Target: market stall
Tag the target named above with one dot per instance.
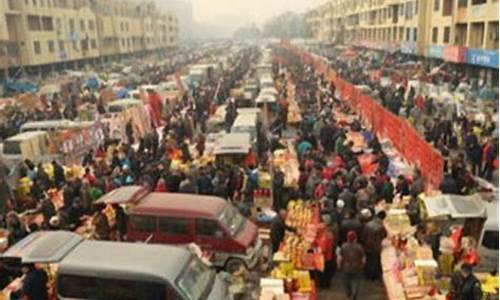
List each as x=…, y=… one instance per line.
x=298, y=254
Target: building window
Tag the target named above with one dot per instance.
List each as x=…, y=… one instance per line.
x=91, y=25
x=75, y=46
x=82, y=25
x=415, y=34
x=477, y=2
x=37, y=47
x=434, y=35
x=93, y=44
x=85, y=44
x=447, y=7
x=34, y=2
x=407, y=34
x=34, y=23
x=61, y=45
x=462, y=3
x=47, y=23
x=71, y=25
x=51, y=47
x=436, y=5
x=446, y=35
x=416, y=7
x=26, y=2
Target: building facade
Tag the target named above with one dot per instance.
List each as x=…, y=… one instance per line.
x=457, y=31
x=37, y=33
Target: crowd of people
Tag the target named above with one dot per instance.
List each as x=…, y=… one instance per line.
x=330, y=173
x=453, y=128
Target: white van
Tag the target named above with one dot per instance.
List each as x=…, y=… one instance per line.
x=246, y=123
x=488, y=240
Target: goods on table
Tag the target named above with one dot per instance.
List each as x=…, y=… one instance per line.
x=299, y=249
x=286, y=160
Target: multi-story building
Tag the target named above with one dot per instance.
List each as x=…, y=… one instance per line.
x=457, y=31
x=41, y=33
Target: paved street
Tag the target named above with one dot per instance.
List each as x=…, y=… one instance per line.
x=368, y=291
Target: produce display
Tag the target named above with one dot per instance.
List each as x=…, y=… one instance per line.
x=286, y=160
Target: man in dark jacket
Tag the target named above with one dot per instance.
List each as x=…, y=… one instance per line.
x=449, y=185
x=349, y=223
x=374, y=233
x=351, y=261
x=278, y=228
x=59, y=177
x=464, y=285
x=34, y=283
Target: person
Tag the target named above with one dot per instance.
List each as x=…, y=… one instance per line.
x=34, y=283
x=374, y=233
x=351, y=261
x=17, y=230
x=278, y=228
x=59, y=177
x=465, y=285
x=326, y=244
x=7, y=274
x=349, y=223
x=100, y=223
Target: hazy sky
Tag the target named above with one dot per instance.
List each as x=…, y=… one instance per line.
x=243, y=11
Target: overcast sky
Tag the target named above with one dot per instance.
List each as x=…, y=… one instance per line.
x=237, y=12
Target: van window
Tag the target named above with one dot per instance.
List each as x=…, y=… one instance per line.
x=490, y=239
x=11, y=147
x=83, y=287
x=174, y=225
x=144, y=223
x=207, y=227
x=131, y=290
x=195, y=279
x=115, y=109
x=232, y=219
x=79, y=287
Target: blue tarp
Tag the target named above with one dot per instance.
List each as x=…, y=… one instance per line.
x=20, y=86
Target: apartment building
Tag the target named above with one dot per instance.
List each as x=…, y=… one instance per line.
x=457, y=31
x=39, y=33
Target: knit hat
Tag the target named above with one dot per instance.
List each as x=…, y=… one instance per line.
x=352, y=236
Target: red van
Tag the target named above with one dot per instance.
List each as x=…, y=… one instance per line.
x=210, y=222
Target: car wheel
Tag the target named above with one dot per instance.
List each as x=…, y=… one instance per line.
x=234, y=264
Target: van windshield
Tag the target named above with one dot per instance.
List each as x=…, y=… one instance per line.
x=196, y=281
x=11, y=147
x=232, y=219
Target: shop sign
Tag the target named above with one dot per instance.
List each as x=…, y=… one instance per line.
x=408, y=47
x=454, y=54
x=481, y=57
x=435, y=51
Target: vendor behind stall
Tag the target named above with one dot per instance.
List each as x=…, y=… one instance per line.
x=34, y=283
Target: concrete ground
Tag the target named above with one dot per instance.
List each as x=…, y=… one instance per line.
x=368, y=290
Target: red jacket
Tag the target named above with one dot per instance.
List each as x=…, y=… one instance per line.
x=326, y=242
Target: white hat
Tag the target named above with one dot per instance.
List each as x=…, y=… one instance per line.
x=54, y=221
x=365, y=212
x=340, y=203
